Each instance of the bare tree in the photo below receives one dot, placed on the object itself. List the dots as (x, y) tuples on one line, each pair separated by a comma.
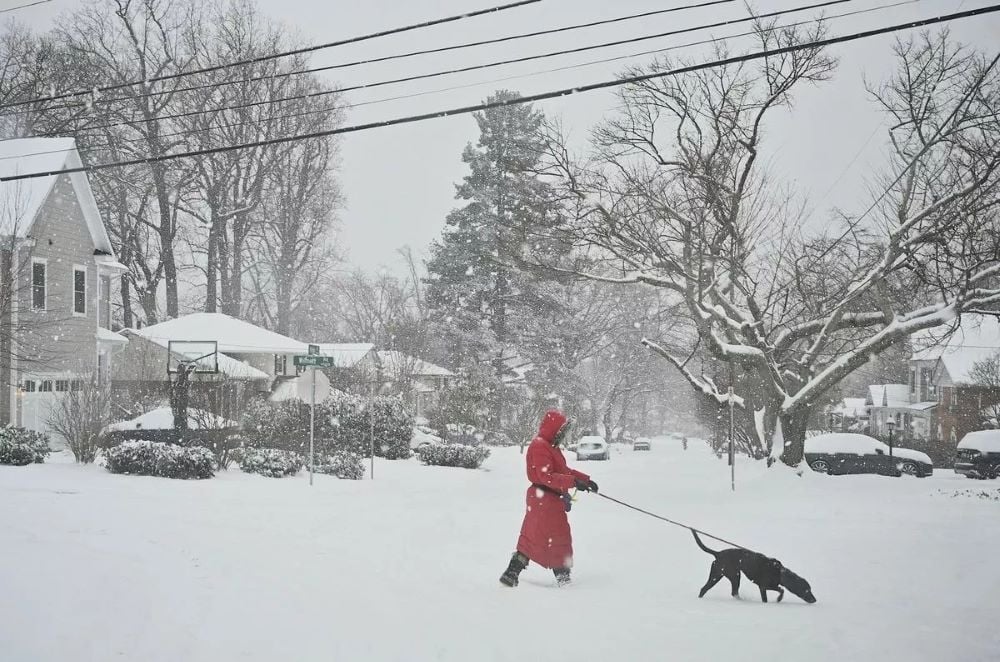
[(986, 374), (678, 199), (80, 416)]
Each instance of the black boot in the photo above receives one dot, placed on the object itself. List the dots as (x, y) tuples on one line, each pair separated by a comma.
[(518, 562), (562, 576)]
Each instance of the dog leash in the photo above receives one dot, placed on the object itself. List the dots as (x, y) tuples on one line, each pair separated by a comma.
[(670, 521)]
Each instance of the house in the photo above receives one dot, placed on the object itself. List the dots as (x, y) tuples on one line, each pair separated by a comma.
[(249, 356), (887, 402), (851, 415), (355, 365), (942, 373), (421, 383), (58, 267)]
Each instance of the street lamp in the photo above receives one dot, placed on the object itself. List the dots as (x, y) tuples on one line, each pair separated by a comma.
[(891, 423)]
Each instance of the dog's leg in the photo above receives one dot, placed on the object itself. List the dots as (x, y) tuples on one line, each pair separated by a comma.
[(781, 593), (734, 579), (763, 594), (714, 575)]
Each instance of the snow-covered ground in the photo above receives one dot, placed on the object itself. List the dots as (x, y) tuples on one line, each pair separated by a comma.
[(101, 567)]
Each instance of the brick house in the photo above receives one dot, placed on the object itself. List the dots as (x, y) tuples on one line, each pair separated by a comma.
[(943, 370), (58, 267)]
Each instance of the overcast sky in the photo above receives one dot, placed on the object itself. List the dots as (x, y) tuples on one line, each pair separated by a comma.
[(399, 182)]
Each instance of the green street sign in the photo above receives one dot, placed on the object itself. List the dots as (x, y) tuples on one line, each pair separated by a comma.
[(313, 361)]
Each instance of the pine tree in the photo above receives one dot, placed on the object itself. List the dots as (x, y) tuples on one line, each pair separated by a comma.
[(476, 292)]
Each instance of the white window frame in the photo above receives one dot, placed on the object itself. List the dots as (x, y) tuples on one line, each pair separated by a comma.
[(45, 263), (78, 268)]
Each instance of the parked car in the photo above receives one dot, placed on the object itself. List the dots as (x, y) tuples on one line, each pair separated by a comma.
[(847, 453), (641, 444), (593, 448), (979, 454)]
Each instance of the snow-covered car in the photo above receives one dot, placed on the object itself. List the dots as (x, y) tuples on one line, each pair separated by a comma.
[(423, 436), (847, 453), (592, 448), (979, 454), (641, 444)]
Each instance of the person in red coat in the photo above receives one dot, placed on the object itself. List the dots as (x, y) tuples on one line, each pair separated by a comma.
[(545, 535)]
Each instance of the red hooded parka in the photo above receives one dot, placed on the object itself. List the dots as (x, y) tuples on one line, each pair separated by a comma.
[(545, 535)]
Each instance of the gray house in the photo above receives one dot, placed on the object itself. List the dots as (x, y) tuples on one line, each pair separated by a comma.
[(58, 267)]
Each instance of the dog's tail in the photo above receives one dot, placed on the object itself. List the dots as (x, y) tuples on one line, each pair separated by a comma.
[(702, 545)]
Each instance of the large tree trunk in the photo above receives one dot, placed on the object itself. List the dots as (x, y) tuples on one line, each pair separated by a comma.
[(166, 232)]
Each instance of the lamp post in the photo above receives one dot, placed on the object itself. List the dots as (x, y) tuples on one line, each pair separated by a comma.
[(890, 424)]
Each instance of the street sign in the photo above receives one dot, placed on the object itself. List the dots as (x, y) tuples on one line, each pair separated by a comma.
[(313, 361), (313, 350)]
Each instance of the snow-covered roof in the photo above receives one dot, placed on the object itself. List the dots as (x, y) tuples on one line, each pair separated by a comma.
[(234, 336), (346, 355), (976, 339), (852, 407), (228, 366), (108, 336), (889, 395), (399, 362), (162, 418), (21, 200)]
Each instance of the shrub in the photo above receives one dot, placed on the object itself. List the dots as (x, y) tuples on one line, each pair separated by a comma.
[(222, 443), (343, 423), (453, 455), (152, 458), (20, 447), (80, 415), (342, 464), (270, 462)]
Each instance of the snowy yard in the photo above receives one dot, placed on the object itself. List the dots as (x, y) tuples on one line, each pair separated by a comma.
[(101, 567)]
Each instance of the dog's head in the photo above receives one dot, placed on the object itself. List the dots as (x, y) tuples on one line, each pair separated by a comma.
[(797, 585)]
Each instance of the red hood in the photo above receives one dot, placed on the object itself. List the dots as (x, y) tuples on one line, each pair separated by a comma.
[(551, 424)]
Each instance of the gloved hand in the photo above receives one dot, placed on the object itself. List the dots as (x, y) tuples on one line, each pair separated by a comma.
[(586, 485), (567, 501)]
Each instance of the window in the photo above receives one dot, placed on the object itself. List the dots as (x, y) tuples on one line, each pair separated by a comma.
[(28, 386), (38, 293), (62, 385), (76, 385), (79, 290), (45, 386), (105, 299), (913, 380), (280, 363)]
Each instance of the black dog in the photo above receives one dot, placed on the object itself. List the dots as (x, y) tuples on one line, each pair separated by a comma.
[(767, 573)]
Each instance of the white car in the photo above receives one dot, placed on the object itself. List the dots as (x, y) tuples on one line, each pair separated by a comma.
[(592, 448)]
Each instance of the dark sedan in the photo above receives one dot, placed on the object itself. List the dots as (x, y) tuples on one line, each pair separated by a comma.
[(843, 453)]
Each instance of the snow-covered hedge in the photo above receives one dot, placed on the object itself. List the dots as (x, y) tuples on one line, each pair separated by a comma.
[(342, 464), (270, 462), (343, 423), (454, 455), (153, 458), (20, 447)]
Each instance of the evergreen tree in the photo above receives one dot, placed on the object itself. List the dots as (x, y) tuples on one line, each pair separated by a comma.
[(476, 292)]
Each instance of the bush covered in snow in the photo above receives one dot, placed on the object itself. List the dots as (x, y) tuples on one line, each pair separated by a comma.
[(152, 458), (342, 464), (343, 423), (20, 447), (453, 455), (270, 462)]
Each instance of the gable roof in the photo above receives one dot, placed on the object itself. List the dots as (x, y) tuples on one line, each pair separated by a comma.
[(346, 355), (228, 366), (889, 395), (394, 361), (22, 200), (234, 336), (976, 338)]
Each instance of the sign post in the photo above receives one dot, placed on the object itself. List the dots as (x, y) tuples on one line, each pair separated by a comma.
[(313, 361)]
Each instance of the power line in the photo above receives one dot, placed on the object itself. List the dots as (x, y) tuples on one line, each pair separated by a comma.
[(437, 74), (275, 56), (465, 110), (30, 4), (399, 56), (325, 109)]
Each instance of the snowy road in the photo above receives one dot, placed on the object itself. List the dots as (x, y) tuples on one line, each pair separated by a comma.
[(95, 567)]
